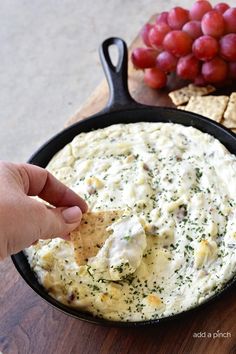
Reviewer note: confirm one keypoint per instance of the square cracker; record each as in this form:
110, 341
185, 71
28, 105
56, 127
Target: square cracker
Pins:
228, 123
212, 107
183, 95
230, 112
92, 232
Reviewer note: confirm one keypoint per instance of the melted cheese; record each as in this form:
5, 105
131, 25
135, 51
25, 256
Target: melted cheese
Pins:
180, 184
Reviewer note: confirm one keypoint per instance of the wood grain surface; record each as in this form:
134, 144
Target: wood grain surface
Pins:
29, 325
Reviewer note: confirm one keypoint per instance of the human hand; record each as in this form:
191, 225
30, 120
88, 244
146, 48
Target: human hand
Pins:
24, 220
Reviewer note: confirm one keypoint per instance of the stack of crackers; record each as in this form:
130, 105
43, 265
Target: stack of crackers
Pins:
196, 99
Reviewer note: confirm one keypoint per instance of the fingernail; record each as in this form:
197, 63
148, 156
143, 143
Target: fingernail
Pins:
72, 215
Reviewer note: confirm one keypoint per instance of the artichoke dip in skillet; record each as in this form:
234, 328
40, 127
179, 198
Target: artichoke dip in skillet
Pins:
176, 245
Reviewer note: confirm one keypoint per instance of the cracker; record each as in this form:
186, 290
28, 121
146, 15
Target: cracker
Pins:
230, 113
183, 95
182, 107
89, 237
212, 107
228, 123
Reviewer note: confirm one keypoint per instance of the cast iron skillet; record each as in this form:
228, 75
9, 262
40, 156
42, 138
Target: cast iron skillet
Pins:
121, 108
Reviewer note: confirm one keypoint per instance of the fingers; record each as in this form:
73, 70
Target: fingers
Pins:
38, 181
23, 219
56, 222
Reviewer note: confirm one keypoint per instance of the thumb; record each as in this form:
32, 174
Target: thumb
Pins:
59, 222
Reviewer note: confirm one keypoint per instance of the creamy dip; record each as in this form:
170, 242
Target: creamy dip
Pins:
178, 246
122, 252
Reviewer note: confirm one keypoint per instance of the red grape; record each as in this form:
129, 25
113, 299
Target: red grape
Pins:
232, 70
144, 34
155, 78
177, 17
193, 28
197, 44
157, 34
198, 9
143, 58
205, 48
163, 17
213, 24
214, 70
230, 20
166, 61
179, 43
228, 47
221, 7
188, 67
199, 80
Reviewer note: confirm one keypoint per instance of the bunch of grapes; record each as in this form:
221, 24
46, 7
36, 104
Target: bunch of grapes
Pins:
198, 44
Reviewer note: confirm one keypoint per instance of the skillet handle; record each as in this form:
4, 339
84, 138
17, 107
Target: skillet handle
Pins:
117, 76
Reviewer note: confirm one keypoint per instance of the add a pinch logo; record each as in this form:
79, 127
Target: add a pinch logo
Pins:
212, 335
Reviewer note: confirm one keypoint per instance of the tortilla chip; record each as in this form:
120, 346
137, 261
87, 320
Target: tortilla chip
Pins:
90, 236
212, 107
183, 95
182, 107
230, 113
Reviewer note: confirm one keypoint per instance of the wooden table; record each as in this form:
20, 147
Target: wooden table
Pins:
29, 325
